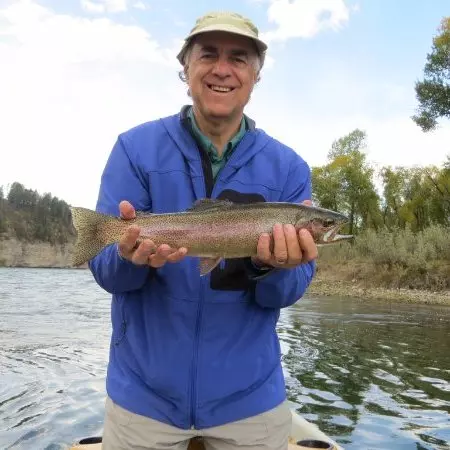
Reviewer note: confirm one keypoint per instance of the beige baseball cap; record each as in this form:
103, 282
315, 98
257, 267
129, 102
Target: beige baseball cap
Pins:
224, 21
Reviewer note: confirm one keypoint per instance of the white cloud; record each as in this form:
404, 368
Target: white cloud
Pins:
102, 6
46, 37
140, 5
68, 86
269, 61
91, 7
399, 141
319, 109
395, 140
304, 18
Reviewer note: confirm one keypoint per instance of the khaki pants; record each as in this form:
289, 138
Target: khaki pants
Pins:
124, 430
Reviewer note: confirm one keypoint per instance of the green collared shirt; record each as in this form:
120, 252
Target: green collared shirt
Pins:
217, 162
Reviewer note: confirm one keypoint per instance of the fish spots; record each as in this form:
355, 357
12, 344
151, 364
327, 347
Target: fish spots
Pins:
232, 274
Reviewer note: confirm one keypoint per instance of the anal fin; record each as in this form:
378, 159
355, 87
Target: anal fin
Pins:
208, 264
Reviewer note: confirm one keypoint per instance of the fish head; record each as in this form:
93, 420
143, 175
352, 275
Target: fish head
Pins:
323, 224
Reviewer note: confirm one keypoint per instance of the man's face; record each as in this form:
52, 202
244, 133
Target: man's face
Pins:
221, 74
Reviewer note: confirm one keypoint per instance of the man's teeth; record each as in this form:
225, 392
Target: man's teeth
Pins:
220, 88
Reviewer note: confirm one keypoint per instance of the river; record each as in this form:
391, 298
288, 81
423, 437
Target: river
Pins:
372, 375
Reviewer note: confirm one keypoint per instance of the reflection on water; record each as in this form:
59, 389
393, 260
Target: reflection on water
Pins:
371, 375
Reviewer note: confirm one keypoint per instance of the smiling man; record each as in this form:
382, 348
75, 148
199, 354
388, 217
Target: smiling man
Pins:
199, 356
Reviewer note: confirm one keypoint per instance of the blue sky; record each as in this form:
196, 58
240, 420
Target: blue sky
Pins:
76, 73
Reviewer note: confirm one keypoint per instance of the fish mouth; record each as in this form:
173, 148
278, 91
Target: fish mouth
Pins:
331, 234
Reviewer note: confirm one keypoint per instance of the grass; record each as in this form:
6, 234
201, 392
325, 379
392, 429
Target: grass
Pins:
396, 259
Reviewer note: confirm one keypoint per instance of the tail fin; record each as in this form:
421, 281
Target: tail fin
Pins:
89, 242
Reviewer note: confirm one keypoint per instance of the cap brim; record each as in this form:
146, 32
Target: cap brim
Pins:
260, 45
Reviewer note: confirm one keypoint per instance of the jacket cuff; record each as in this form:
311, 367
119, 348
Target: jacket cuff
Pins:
256, 272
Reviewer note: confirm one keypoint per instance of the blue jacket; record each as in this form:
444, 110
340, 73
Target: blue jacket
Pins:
187, 350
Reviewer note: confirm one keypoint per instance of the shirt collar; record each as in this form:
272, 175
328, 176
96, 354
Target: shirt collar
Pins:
209, 146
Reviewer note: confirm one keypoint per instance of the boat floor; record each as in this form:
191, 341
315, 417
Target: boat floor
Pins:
195, 444
301, 430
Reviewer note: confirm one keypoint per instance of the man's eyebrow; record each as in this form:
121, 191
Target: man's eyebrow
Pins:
208, 48
239, 52
235, 52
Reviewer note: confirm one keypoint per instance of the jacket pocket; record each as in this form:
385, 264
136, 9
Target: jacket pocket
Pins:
233, 276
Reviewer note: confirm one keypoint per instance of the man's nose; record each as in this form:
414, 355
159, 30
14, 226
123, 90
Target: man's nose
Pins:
221, 67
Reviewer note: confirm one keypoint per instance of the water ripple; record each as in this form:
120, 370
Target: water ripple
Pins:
371, 375
378, 379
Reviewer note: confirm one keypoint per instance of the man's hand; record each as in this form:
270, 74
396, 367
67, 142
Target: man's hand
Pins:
289, 247
146, 251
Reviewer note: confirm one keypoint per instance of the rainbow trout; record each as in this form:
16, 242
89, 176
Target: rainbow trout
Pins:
211, 229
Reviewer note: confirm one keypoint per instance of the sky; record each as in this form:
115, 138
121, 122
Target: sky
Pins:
74, 74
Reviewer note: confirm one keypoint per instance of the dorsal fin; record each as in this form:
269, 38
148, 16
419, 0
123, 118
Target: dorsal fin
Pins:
208, 264
206, 204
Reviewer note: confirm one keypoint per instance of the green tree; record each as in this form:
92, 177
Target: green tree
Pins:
433, 93
16, 195
3, 225
326, 190
447, 165
416, 197
439, 180
346, 182
35, 217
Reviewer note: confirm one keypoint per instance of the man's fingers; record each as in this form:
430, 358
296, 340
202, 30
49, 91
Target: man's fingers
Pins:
128, 241
308, 245
159, 258
293, 246
280, 251
177, 255
143, 252
307, 202
127, 211
263, 248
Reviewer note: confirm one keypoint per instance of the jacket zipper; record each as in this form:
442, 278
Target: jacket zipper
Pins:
209, 187
195, 359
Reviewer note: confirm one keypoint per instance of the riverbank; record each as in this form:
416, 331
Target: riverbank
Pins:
327, 285
339, 274
19, 253
395, 266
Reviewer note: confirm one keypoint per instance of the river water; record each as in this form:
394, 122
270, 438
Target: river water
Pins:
372, 375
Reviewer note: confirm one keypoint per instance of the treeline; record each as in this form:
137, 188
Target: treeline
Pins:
29, 216
400, 218
413, 198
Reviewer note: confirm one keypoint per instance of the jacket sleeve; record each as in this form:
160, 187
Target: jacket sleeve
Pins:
279, 288
122, 179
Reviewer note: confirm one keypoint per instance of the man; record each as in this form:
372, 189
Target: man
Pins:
199, 356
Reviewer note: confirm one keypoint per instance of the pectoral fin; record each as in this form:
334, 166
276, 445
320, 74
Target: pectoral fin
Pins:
208, 264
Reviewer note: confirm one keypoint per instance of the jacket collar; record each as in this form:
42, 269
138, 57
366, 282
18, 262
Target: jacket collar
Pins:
177, 127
